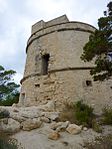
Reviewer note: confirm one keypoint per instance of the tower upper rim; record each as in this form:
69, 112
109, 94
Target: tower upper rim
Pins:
71, 25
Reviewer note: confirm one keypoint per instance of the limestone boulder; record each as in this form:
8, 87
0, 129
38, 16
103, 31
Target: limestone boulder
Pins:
63, 126
45, 119
15, 110
31, 124
85, 128
49, 106
59, 126
54, 135
29, 114
4, 121
9, 125
17, 117
53, 116
73, 129
54, 125
14, 105
21, 114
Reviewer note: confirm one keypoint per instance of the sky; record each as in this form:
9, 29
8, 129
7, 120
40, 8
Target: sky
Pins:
17, 17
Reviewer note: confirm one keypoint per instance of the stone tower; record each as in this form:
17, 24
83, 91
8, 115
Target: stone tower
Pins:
54, 70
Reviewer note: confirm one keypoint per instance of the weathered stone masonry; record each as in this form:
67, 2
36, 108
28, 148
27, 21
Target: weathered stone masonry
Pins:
54, 70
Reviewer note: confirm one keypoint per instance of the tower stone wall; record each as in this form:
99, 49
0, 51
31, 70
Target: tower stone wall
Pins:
54, 70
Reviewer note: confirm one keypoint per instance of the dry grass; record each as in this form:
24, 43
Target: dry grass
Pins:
107, 116
104, 142
68, 113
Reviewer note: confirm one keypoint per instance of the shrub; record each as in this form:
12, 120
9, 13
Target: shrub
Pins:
9, 143
96, 126
107, 116
84, 114
5, 145
78, 113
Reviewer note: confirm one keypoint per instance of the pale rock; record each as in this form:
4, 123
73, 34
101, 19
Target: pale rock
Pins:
15, 105
5, 120
55, 125
54, 135
17, 117
10, 126
85, 128
30, 114
63, 126
49, 107
44, 119
31, 124
59, 126
51, 115
60, 129
73, 129
15, 110
21, 114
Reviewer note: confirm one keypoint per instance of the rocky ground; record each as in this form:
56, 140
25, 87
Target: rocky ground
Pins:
39, 128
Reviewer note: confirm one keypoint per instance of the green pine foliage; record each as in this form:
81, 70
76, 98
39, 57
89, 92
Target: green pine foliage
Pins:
9, 93
99, 47
10, 100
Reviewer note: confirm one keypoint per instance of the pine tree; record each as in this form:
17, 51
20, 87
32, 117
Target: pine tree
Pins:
7, 86
99, 47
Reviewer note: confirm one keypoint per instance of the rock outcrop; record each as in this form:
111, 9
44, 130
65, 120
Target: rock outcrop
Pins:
54, 135
30, 124
73, 129
29, 118
9, 125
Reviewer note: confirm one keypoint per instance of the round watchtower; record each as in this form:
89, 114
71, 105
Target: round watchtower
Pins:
54, 70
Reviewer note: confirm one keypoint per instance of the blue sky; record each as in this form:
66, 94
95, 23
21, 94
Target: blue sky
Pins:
17, 17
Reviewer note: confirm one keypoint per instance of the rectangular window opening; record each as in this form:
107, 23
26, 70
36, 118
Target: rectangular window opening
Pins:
45, 63
88, 83
37, 85
23, 98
